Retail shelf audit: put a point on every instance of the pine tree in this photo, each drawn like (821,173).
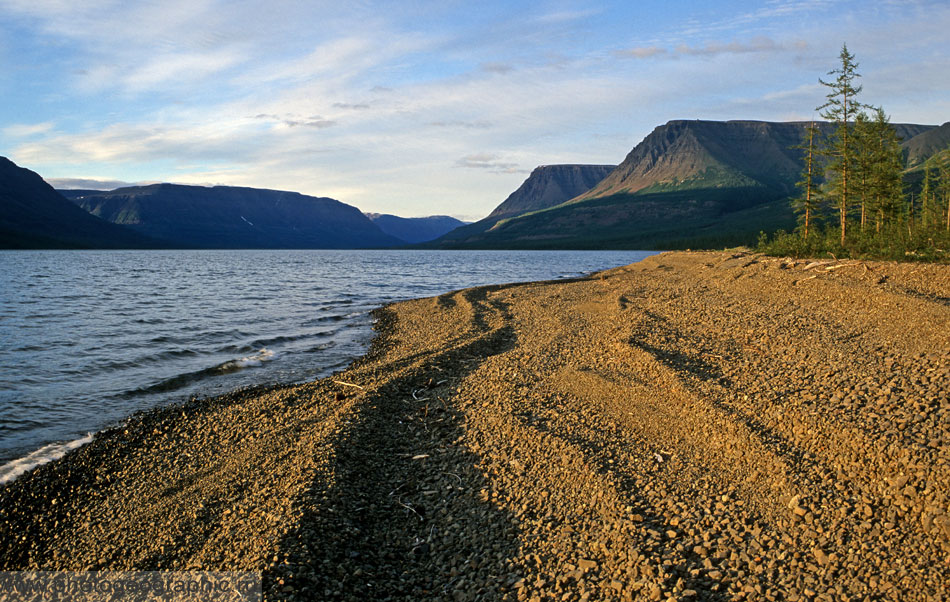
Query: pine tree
(862,137)
(927,196)
(840,108)
(942,161)
(885,180)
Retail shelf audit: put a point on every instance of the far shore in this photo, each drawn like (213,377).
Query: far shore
(696,426)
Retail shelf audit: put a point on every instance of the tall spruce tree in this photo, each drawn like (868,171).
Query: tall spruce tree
(862,137)
(885,180)
(927,195)
(840,108)
(942,161)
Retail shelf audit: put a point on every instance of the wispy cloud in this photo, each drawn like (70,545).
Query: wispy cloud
(489,161)
(497,67)
(352,106)
(313,121)
(26,130)
(757,45)
(568,15)
(640,52)
(90,184)
(760,44)
(469,125)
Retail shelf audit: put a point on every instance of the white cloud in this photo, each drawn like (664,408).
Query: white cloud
(26,130)
(757,45)
(90,183)
(567,15)
(175,67)
(489,161)
(640,52)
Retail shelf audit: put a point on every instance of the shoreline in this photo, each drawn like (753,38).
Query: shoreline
(103,357)
(695,426)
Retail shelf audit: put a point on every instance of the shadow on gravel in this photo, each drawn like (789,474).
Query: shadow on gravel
(402,518)
(681,362)
(656,551)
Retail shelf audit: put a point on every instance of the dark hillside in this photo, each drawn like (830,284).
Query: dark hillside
(228,217)
(34,216)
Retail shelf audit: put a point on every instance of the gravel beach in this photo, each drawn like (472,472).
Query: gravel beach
(696,426)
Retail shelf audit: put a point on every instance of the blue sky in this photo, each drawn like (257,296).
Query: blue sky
(419,108)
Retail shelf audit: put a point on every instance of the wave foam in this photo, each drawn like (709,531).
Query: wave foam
(47,453)
(252,360)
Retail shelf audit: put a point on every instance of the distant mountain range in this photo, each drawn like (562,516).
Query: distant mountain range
(415,229)
(687,184)
(226,217)
(34,215)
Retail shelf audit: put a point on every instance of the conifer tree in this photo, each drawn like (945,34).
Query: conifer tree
(885,180)
(862,137)
(927,197)
(942,161)
(840,108)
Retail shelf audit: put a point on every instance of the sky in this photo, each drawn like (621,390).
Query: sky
(420,108)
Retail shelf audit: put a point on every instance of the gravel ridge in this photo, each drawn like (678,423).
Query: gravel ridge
(696,426)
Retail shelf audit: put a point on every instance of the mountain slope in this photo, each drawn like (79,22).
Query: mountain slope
(547,186)
(923,146)
(716,154)
(415,229)
(688,183)
(34,216)
(230,217)
(550,185)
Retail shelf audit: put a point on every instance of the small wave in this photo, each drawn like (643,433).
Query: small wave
(47,453)
(252,360)
(115,365)
(275,340)
(149,321)
(324,319)
(29,348)
(183,380)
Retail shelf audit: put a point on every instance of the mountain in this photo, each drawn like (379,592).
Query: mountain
(34,216)
(547,186)
(687,184)
(919,148)
(718,154)
(415,229)
(225,217)
(550,185)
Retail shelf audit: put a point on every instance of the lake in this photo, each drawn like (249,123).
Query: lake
(90,337)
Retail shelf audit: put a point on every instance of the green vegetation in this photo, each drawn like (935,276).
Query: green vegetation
(857,199)
(711,177)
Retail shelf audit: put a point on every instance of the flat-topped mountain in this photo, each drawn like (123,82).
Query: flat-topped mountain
(550,185)
(686,154)
(687,184)
(226,217)
(547,186)
(415,229)
(34,216)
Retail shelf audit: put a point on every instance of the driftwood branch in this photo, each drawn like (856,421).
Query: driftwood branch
(340,382)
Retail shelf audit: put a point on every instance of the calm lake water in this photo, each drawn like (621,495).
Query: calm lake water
(89,337)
